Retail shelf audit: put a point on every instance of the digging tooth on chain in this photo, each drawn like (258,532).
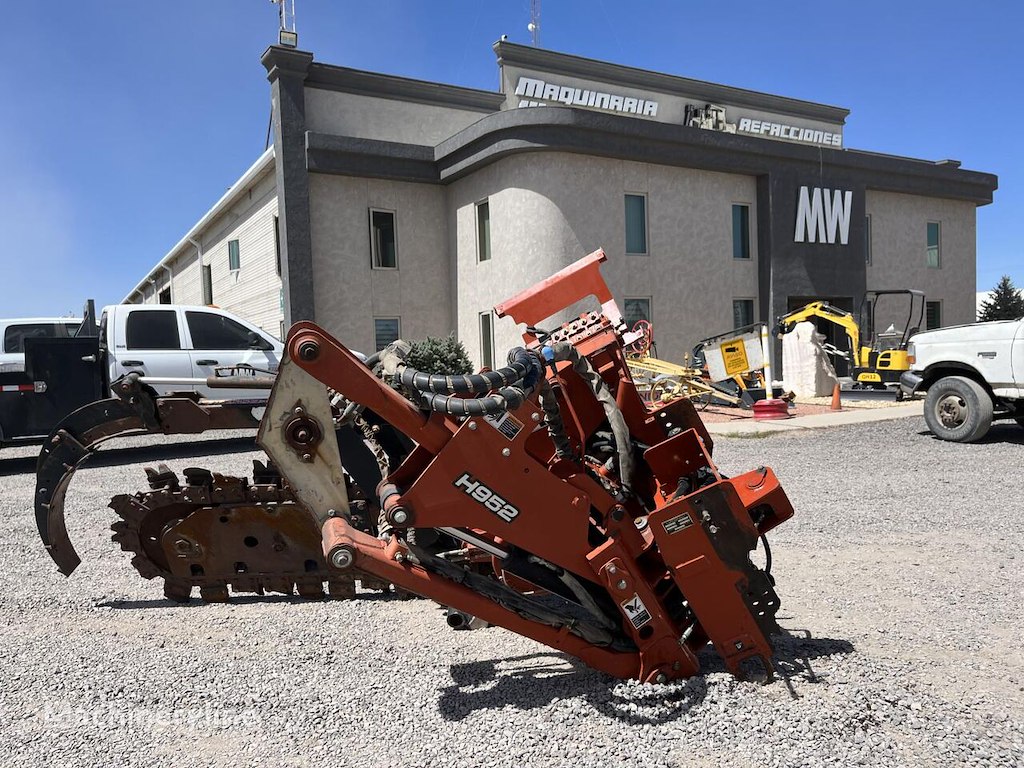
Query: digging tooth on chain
(227,534)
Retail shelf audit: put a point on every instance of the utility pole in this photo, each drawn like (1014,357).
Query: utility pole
(286,34)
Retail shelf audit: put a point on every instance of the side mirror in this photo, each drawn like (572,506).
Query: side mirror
(258,342)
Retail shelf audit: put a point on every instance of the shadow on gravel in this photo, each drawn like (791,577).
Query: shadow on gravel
(132,605)
(794,652)
(1006,433)
(529,682)
(106,457)
(246,599)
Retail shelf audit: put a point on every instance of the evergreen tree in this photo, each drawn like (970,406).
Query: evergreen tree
(434,355)
(1004,302)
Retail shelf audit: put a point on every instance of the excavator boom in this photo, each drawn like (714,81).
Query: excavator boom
(824,310)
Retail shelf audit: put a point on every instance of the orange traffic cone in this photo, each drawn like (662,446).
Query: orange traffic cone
(837,404)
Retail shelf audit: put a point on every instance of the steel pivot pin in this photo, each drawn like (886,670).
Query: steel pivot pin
(342,558)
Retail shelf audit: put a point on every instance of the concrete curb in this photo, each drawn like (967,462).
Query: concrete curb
(751,428)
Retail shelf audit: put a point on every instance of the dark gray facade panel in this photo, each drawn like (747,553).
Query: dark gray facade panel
(572,130)
(560,63)
(348,156)
(563,129)
(373,84)
(814,269)
(286,70)
(764,248)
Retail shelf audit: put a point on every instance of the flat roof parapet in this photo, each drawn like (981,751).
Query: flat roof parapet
(567,64)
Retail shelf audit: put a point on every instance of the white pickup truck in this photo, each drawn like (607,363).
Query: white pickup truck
(174,348)
(14,332)
(972,374)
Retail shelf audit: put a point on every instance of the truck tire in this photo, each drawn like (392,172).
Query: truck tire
(958,409)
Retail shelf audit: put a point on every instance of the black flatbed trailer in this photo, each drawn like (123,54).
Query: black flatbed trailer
(60,376)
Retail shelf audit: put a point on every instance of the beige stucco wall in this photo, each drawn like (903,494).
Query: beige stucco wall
(548,209)
(347,293)
(899,227)
(370,117)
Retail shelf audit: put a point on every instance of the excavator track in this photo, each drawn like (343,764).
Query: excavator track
(224,534)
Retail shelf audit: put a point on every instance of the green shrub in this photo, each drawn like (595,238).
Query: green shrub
(439,355)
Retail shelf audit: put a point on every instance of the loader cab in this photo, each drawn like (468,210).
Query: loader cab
(888,319)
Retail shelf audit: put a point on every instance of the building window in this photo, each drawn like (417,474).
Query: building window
(867,239)
(233,261)
(487,339)
(636,309)
(741,231)
(207,284)
(932,315)
(383,245)
(152,329)
(636,224)
(483,231)
(165,295)
(277,244)
(934,257)
(742,313)
(385,331)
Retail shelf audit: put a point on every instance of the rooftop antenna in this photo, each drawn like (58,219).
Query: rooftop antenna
(534,25)
(286,34)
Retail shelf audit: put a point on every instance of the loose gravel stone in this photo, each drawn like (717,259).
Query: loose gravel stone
(900,581)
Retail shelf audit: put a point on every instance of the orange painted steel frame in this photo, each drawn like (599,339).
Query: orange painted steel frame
(558,505)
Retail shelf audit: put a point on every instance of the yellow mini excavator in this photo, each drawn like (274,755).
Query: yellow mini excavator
(876,358)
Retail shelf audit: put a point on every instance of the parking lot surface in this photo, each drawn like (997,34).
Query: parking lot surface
(900,578)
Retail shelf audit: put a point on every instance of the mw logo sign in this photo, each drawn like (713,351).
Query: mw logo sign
(823,216)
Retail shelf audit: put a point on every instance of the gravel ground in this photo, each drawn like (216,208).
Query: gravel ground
(901,587)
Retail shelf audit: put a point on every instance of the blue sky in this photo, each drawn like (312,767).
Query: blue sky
(122,122)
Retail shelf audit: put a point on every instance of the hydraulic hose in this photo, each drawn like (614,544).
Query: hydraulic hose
(553,421)
(563,350)
(517,381)
(474,383)
(508,398)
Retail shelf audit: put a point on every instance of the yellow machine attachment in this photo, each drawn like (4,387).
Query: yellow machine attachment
(876,359)
(659,381)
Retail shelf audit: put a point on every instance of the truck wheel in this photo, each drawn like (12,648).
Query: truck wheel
(958,409)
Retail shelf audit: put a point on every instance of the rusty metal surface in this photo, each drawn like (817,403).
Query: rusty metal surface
(240,382)
(134,411)
(653,560)
(224,534)
(183,416)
